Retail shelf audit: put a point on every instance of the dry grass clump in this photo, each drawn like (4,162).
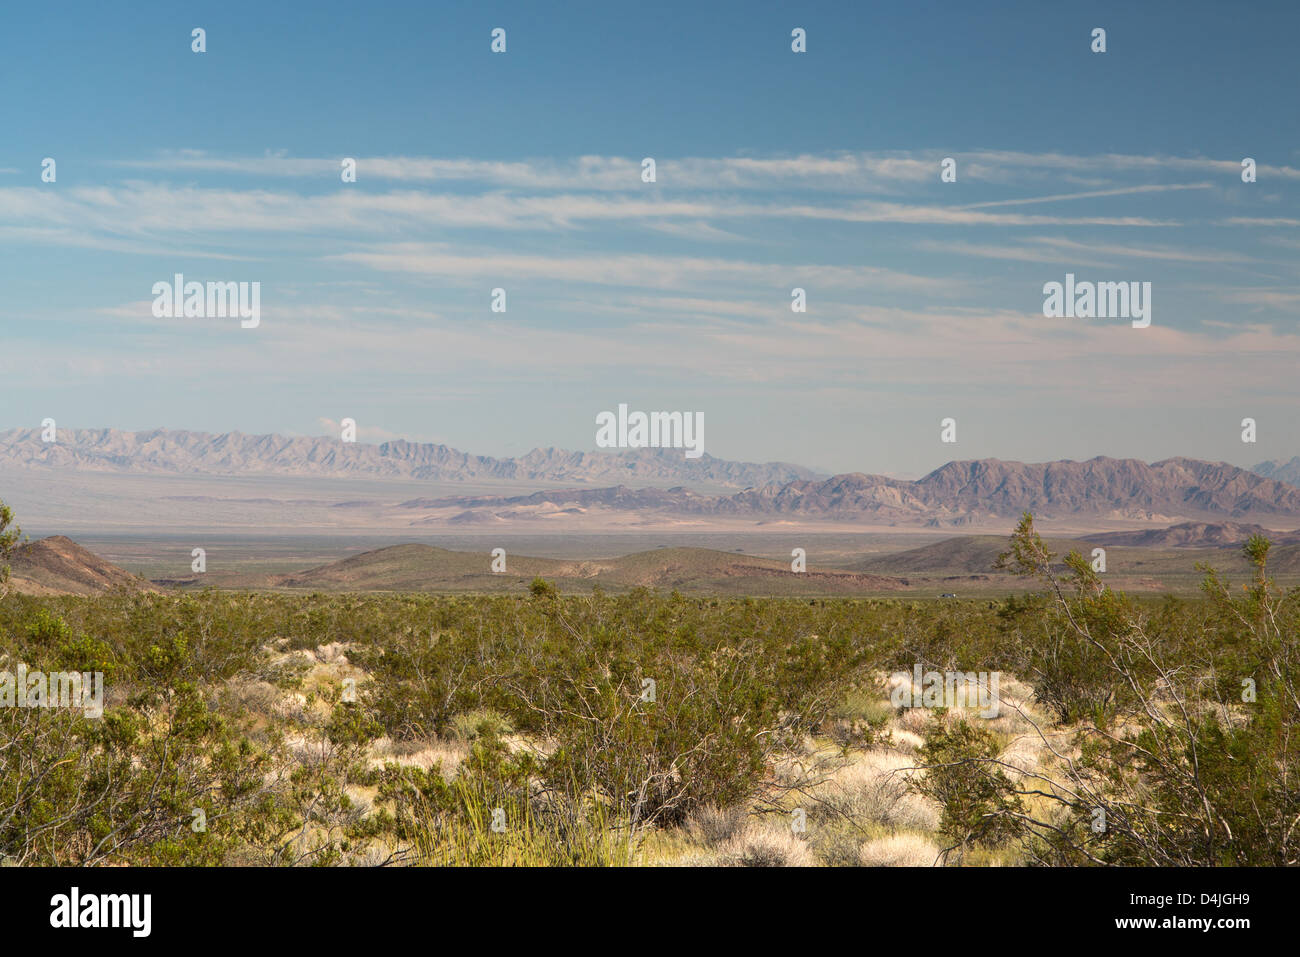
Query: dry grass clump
(326,681)
(258,697)
(292,708)
(307,750)
(479,723)
(906,741)
(899,850)
(1024,755)
(766,846)
(835,843)
(874,789)
(333,653)
(859,719)
(425,753)
(914,720)
(713,827)
(800,763)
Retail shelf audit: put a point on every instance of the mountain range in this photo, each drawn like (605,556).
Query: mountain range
(956,494)
(1288,472)
(640,487)
(163,451)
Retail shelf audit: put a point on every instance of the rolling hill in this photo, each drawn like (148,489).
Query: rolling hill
(1194,535)
(58,565)
(967,555)
(425,568)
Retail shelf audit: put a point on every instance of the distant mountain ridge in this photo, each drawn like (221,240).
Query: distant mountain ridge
(955,494)
(234,453)
(1288,472)
(655,483)
(1197,535)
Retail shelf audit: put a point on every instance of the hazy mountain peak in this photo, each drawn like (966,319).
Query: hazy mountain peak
(1288,472)
(236,453)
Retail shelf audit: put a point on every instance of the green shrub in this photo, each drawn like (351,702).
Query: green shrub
(979,805)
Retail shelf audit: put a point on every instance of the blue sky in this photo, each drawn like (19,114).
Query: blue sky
(774,170)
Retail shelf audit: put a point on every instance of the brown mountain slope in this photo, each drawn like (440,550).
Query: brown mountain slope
(58,565)
(1195,534)
(969,554)
(425,568)
(1284,561)
(417,568)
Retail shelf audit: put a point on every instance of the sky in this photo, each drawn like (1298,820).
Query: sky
(522,171)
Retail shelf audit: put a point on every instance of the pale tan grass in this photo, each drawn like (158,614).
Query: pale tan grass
(899,850)
(766,845)
(874,789)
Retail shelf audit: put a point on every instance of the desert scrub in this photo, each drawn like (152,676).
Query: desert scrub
(492,813)
(599,722)
(963,776)
(479,723)
(1186,719)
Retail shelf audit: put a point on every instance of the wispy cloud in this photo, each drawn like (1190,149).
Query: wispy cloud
(666,272)
(1260,221)
(1092,194)
(844,171)
(1016,253)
